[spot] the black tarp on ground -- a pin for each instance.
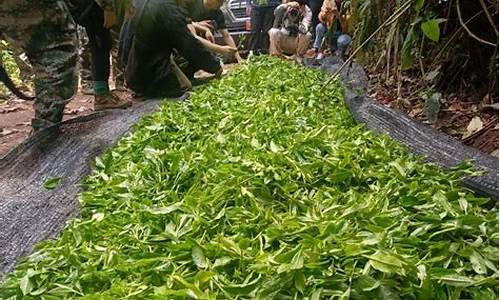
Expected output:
(29, 212)
(420, 139)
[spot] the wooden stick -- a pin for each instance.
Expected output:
(467, 28)
(483, 5)
(452, 38)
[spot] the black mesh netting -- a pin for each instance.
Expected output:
(30, 213)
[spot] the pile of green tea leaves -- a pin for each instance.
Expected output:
(261, 186)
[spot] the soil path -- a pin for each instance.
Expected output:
(16, 115)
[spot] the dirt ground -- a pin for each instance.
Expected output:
(472, 121)
(16, 115)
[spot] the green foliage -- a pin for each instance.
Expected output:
(407, 53)
(51, 183)
(413, 25)
(262, 186)
(431, 30)
(10, 65)
(419, 4)
(426, 36)
(432, 106)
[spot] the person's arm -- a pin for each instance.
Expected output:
(212, 47)
(306, 20)
(174, 25)
(328, 12)
(219, 22)
(203, 31)
(323, 12)
(228, 40)
(344, 22)
(322, 16)
(279, 13)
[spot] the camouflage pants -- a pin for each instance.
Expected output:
(118, 68)
(47, 33)
(85, 59)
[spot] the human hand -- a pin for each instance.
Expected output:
(207, 24)
(228, 50)
(109, 19)
(302, 29)
(293, 4)
(209, 36)
(219, 73)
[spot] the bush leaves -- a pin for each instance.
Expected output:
(431, 29)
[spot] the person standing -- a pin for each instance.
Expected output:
(117, 11)
(315, 6)
(114, 14)
(261, 21)
(93, 17)
(47, 34)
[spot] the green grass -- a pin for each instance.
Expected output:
(9, 63)
(262, 186)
